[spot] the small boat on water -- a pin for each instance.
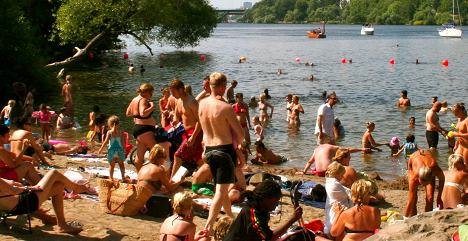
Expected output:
(449, 30)
(367, 29)
(318, 32)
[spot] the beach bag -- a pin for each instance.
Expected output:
(121, 198)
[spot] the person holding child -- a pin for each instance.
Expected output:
(45, 117)
(115, 150)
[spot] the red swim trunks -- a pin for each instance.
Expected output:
(192, 153)
(8, 173)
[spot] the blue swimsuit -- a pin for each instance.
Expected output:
(115, 149)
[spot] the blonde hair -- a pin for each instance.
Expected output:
(217, 79)
(340, 154)
(113, 121)
(335, 169)
(11, 102)
(425, 174)
(182, 202)
(454, 159)
(157, 153)
(221, 227)
(360, 191)
(145, 87)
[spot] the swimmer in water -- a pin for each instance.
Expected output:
(368, 141)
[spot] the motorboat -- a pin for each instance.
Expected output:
(450, 30)
(367, 29)
(318, 32)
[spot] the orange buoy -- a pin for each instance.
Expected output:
(391, 61)
(445, 62)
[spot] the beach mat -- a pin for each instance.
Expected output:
(306, 199)
(87, 158)
(104, 172)
(208, 201)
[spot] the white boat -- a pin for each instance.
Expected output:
(449, 30)
(367, 29)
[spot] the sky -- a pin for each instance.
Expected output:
(230, 4)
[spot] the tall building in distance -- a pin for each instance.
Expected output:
(246, 5)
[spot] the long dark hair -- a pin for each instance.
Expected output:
(265, 190)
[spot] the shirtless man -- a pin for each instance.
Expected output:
(422, 170)
(433, 127)
(34, 151)
(186, 111)
(67, 95)
(322, 157)
(206, 89)
(404, 101)
(222, 136)
(230, 92)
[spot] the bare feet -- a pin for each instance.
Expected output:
(46, 218)
(71, 229)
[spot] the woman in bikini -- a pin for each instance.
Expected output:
(296, 109)
(263, 106)
(242, 113)
(461, 145)
(360, 221)
(141, 109)
(17, 199)
(153, 175)
(456, 181)
(180, 226)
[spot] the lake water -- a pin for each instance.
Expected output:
(367, 88)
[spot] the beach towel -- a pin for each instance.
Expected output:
(104, 172)
(87, 158)
(305, 189)
(208, 201)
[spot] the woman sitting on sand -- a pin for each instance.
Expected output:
(368, 141)
(17, 199)
(266, 156)
(252, 221)
(456, 181)
(336, 192)
(180, 225)
(153, 175)
(360, 221)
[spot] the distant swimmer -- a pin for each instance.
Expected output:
(131, 69)
(242, 59)
(403, 101)
(279, 72)
(311, 77)
(142, 69)
(417, 61)
(350, 61)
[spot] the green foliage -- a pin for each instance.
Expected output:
(176, 22)
(355, 11)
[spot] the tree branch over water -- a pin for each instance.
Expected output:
(141, 40)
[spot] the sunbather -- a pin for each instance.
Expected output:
(17, 199)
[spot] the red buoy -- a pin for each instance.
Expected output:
(445, 62)
(202, 57)
(391, 61)
(344, 60)
(125, 56)
(90, 55)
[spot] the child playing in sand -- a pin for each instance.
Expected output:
(266, 156)
(368, 141)
(409, 147)
(5, 114)
(44, 116)
(115, 151)
(258, 128)
(394, 145)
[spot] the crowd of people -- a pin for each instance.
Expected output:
(215, 145)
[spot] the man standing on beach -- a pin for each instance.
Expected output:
(186, 111)
(325, 120)
(433, 127)
(221, 131)
(422, 170)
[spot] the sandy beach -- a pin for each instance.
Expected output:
(438, 225)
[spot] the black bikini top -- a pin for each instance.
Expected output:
(142, 117)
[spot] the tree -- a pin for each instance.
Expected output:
(92, 22)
